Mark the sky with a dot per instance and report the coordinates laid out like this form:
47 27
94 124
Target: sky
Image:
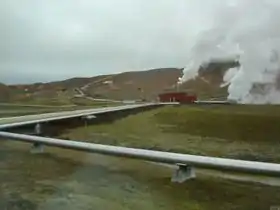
45 40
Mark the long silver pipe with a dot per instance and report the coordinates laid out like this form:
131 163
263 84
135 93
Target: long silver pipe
75 114
154 156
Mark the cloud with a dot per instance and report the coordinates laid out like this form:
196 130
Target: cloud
246 30
50 39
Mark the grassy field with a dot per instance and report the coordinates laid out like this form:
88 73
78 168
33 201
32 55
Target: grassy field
242 132
19 110
28 109
70 180
238 123
88 102
6 111
64 179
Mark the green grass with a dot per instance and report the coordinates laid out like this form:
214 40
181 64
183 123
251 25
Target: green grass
248 123
87 102
47 101
119 183
241 132
29 109
96 182
18 110
222 131
22 112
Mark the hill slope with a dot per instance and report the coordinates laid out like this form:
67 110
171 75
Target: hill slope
124 86
135 85
5 93
208 83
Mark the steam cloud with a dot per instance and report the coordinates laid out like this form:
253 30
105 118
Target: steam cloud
247 31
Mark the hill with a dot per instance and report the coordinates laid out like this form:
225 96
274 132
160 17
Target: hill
124 86
136 85
5 93
208 83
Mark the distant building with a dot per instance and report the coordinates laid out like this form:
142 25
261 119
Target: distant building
181 97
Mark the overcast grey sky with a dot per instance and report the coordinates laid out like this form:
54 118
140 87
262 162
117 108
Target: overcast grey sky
43 40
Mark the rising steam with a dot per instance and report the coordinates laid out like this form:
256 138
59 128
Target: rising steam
247 31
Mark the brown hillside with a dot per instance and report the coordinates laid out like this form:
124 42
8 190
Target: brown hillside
5 93
126 86
208 83
136 85
59 92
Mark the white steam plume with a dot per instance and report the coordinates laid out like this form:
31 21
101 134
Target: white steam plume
247 31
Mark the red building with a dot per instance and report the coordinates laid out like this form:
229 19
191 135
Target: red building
180 97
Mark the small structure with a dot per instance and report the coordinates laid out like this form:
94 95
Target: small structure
181 97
